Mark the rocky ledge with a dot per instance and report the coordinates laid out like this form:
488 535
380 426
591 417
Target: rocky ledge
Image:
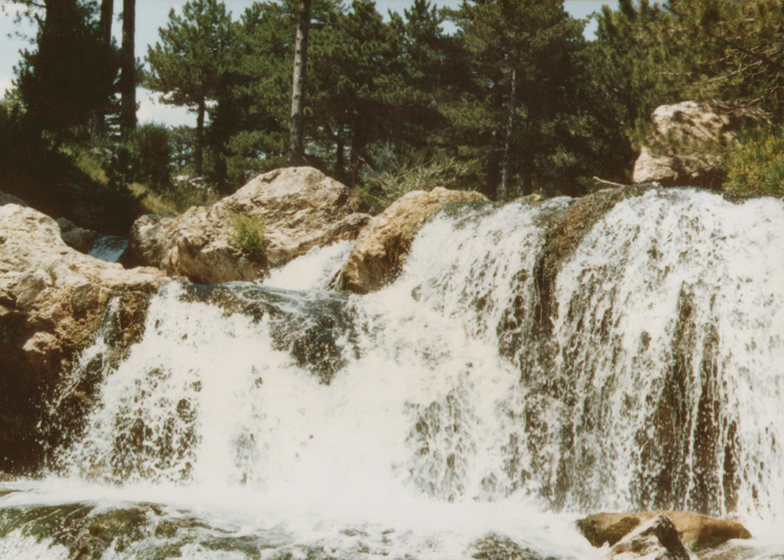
300 208
381 247
52 301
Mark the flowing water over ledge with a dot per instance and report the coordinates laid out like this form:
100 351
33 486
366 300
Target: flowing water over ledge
433 419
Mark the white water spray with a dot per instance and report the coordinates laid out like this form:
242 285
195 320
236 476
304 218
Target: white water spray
424 435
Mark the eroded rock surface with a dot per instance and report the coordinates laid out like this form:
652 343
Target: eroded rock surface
301 208
698 532
381 247
52 300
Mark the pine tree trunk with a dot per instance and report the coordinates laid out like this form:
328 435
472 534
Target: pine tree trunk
107 14
503 191
198 152
107 11
297 132
128 77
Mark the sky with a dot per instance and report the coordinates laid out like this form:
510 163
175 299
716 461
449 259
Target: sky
153 14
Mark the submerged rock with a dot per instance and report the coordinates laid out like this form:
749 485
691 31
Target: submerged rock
698 532
656 539
300 207
381 247
52 300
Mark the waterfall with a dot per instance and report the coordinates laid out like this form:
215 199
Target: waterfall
436 416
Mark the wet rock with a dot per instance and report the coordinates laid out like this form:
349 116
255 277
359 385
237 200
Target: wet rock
698 532
313 328
300 207
656 539
379 251
564 235
497 547
682 151
52 300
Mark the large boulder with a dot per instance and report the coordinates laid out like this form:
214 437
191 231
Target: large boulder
683 149
656 539
52 301
379 251
300 207
698 532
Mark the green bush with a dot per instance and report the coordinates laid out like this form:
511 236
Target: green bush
146 158
247 233
757 167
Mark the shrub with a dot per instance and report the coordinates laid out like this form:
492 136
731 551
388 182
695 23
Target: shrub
145 158
757 167
247 233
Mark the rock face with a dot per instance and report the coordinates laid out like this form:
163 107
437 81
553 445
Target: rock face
681 131
52 300
698 532
656 539
380 248
301 208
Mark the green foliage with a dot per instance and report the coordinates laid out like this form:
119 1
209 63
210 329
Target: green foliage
757 167
247 233
146 157
381 189
71 73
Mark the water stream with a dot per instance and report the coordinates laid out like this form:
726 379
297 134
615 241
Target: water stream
432 419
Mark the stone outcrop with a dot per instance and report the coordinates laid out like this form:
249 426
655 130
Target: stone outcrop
81 239
682 151
381 247
52 300
698 532
656 539
301 208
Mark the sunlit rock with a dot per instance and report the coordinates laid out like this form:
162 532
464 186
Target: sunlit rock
381 247
698 532
52 300
682 150
300 207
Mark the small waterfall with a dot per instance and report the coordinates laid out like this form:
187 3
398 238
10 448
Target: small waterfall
434 419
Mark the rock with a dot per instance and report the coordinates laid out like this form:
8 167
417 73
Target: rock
698 532
656 539
10 199
52 300
564 235
686 135
81 239
301 208
381 247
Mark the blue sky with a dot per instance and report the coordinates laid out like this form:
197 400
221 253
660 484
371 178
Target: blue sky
152 14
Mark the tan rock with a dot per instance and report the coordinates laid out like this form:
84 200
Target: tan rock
52 300
381 247
686 135
655 539
301 208
698 532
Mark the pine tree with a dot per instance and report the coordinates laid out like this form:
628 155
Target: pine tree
187 65
128 78
71 73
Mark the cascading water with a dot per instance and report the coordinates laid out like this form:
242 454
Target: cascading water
430 419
